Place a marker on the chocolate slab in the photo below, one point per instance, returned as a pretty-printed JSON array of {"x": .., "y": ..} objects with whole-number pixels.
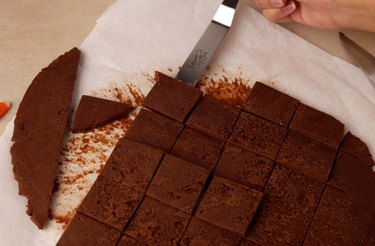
[
  {"x": 307, "y": 156},
  {"x": 271, "y": 104},
  {"x": 244, "y": 167},
  {"x": 132, "y": 164},
  {"x": 129, "y": 241},
  {"x": 83, "y": 230},
  {"x": 156, "y": 223},
  {"x": 316, "y": 124},
  {"x": 246, "y": 242},
  {"x": 229, "y": 205},
  {"x": 178, "y": 183},
  {"x": 94, "y": 112},
  {"x": 354, "y": 146},
  {"x": 111, "y": 202},
  {"x": 198, "y": 148},
  {"x": 200, "y": 232},
  {"x": 258, "y": 135},
  {"x": 154, "y": 130},
  {"x": 171, "y": 97},
  {"x": 38, "y": 134},
  {"x": 213, "y": 118}
]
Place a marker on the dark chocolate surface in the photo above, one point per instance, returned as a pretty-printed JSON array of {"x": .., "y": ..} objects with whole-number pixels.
[
  {"x": 129, "y": 241},
  {"x": 271, "y": 104},
  {"x": 38, "y": 134},
  {"x": 258, "y": 135},
  {"x": 200, "y": 232},
  {"x": 318, "y": 125},
  {"x": 171, "y": 97},
  {"x": 354, "y": 146},
  {"x": 156, "y": 223},
  {"x": 229, "y": 205},
  {"x": 94, "y": 112},
  {"x": 198, "y": 148},
  {"x": 84, "y": 230},
  {"x": 307, "y": 156},
  {"x": 213, "y": 118},
  {"x": 154, "y": 130},
  {"x": 244, "y": 167},
  {"x": 178, "y": 183}
]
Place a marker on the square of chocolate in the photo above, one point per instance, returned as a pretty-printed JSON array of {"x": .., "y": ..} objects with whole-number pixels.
[
  {"x": 213, "y": 118},
  {"x": 200, "y": 232},
  {"x": 154, "y": 130},
  {"x": 129, "y": 241},
  {"x": 258, "y": 135},
  {"x": 244, "y": 167},
  {"x": 111, "y": 202},
  {"x": 229, "y": 205},
  {"x": 198, "y": 148},
  {"x": 156, "y": 223},
  {"x": 344, "y": 212},
  {"x": 132, "y": 164},
  {"x": 318, "y": 125},
  {"x": 354, "y": 146},
  {"x": 178, "y": 183},
  {"x": 290, "y": 190},
  {"x": 171, "y": 97},
  {"x": 275, "y": 226},
  {"x": 83, "y": 230},
  {"x": 271, "y": 104},
  {"x": 307, "y": 156}
]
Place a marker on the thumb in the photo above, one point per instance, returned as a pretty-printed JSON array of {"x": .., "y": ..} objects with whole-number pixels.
[{"x": 276, "y": 15}]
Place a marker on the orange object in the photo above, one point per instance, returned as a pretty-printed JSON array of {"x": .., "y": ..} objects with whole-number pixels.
[{"x": 4, "y": 108}]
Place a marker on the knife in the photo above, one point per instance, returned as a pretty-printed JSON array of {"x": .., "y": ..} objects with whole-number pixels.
[
  {"x": 198, "y": 60},
  {"x": 364, "y": 60}
]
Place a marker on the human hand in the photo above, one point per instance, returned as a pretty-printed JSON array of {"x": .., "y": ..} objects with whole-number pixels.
[{"x": 328, "y": 14}]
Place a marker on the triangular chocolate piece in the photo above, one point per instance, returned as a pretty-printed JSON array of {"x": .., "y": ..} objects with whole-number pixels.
[
  {"x": 39, "y": 130},
  {"x": 94, "y": 112}
]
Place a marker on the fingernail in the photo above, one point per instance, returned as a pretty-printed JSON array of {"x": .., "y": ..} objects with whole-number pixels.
[
  {"x": 289, "y": 8},
  {"x": 277, "y": 3}
]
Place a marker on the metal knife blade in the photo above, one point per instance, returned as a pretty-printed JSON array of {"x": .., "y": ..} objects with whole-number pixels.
[
  {"x": 198, "y": 60},
  {"x": 364, "y": 60}
]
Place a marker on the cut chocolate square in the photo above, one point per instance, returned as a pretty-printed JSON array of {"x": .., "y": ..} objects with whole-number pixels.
[
  {"x": 83, "y": 230},
  {"x": 156, "y": 223},
  {"x": 307, "y": 156},
  {"x": 129, "y": 241},
  {"x": 154, "y": 130},
  {"x": 111, "y": 202},
  {"x": 178, "y": 183},
  {"x": 198, "y": 148},
  {"x": 290, "y": 190},
  {"x": 354, "y": 146},
  {"x": 258, "y": 135},
  {"x": 213, "y": 118},
  {"x": 132, "y": 164},
  {"x": 171, "y": 97},
  {"x": 229, "y": 205},
  {"x": 316, "y": 124},
  {"x": 244, "y": 167},
  {"x": 271, "y": 104},
  {"x": 200, "y": 232}
]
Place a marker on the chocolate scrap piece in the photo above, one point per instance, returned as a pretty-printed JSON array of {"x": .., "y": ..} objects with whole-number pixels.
[
  {"x": 200, "y": 232},
  {"x": 258, "y": 135},
  {"x": 83, "y": 230},
  {"x": 156, "y": 223},
  {"x": 111, "y": 202},
  {"x": 171, "y": 97},
  {"x": 198, "y": 148},
  {"x": 154, "y": 130},
  {"x": 229, "y": 205},
  {"x": 307, "y": 156},
  {"x": 244, "y": 167},
  {"x": 129, "y": 241},
  {"x": 271, "y": 104},
  {"x": 94, "y": 112},
  {"x": 354, "y": 146},
  {"x": 178, "y": 183},
  {"x": 39, "y": 130},
  {"x": 132, "y": 164},
  {"x": 213, "y": 118},
  {"x": 316, "y": 124}
]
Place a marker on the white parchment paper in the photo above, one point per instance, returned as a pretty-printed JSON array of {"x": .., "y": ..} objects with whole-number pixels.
[{"x": 134, "y": 37}]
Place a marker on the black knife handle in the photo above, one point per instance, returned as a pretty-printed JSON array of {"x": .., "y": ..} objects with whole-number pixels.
[{"x": 230, "y": 3}]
